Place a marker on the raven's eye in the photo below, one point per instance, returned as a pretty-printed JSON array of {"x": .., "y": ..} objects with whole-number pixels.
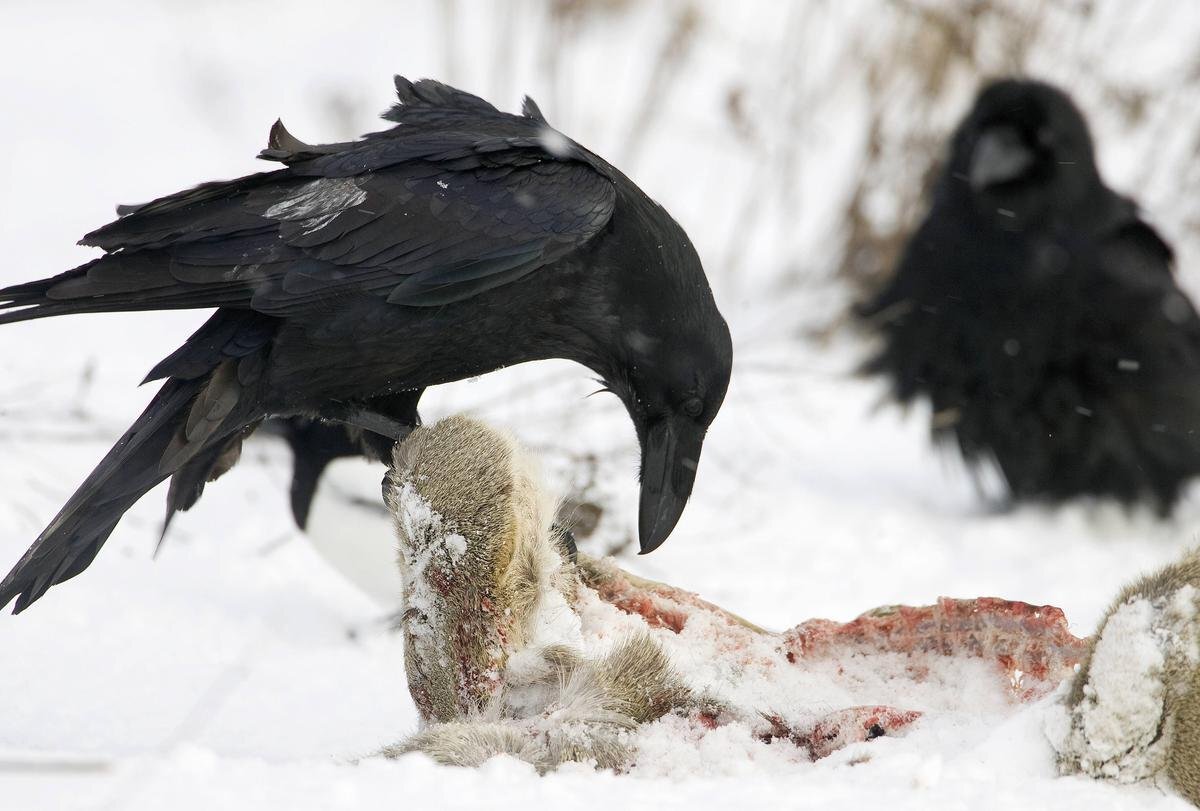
[{"x": 693, "y": 406}]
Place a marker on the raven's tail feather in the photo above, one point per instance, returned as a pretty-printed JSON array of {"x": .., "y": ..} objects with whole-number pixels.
[
  {"x": 26, "y": 301},
  {"x": 187, "y": 483},
  {"x": 117, "y": 283},
  {"x": 177, "y": 426}
]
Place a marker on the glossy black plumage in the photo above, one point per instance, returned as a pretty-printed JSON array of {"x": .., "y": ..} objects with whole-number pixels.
[
  {"x": 1038, "y": 312},
  {"x": 461, "y": 240}
]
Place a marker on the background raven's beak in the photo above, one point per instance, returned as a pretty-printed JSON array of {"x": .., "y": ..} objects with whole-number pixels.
[
  {"x": 670, "y": 453},
  {"x": 1000, "y": 155}
]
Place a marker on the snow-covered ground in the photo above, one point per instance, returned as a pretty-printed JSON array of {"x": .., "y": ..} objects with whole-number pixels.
[{"x": 239, "y": 669}]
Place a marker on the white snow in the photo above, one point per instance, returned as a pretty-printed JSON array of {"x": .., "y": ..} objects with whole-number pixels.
[
  {"x": 239, "y": 669},
  {"x": 553, "y": 624},
  {"x": 433, "y": 545},
  {"x": 456, "y": 546}
]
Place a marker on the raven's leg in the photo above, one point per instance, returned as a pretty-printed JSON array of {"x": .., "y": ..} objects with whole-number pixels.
[
  {"x": 370, "y": 429},
  {"x": 384, "y": 420},
  {"x": 314, "y": 444},
  {"x": 372, "y": 421}
]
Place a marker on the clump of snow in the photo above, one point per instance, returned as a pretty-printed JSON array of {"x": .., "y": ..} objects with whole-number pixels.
[
  {"x": 1120, "y": 728},
  {"x": 553, "y": 625},
  {"x": 456, "y": 546},
  {"x": 431, "y": 543},
  {"x": 1122, "y": 709}
]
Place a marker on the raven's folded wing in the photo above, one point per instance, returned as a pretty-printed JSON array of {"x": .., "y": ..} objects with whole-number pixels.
[{"x": 455, "y": 200}]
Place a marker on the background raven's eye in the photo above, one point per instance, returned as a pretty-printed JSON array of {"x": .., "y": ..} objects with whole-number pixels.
[{"x": 693, "y": 406}]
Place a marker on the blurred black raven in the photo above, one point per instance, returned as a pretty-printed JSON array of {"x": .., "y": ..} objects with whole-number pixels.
[
  {"x": 459, "y": 241},
  {"x": 1038, "y": 312}
]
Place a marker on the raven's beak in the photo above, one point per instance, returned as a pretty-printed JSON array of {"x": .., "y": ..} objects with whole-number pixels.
[
  {"x": 1000, "y": 155},
  {"x": 670, "y": 453}
]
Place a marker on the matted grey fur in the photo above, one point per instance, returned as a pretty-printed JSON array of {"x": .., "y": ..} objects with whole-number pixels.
[{"x": 484, "y": 583}]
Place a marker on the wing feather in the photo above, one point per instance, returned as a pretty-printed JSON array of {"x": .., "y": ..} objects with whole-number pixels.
[{"x": 457, "y": 199}]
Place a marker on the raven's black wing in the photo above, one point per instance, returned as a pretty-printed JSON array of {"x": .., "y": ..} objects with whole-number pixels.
[
  {"x": 1124, "y": 399},
  {"x": 1148, "y": 337},
  {"x": 458, "y": 198}
]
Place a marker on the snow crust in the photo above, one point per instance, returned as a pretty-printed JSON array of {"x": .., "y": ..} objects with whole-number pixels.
[{"x": 1120, "y": 729}]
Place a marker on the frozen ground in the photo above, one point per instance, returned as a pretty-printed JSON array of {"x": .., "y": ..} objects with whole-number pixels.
[{"x": 240, "y": 670}]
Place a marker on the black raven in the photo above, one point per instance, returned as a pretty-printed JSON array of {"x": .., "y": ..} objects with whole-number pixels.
[
  {"x": 459, "y": 241},
  {"x": 1038, "y": 312}
]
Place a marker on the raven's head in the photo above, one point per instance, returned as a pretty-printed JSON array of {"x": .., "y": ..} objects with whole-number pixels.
[
  {"x": 668, "y": 357},
  {"x": 672, "y": 393},
  {"x": 1023, "y": 154}
]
